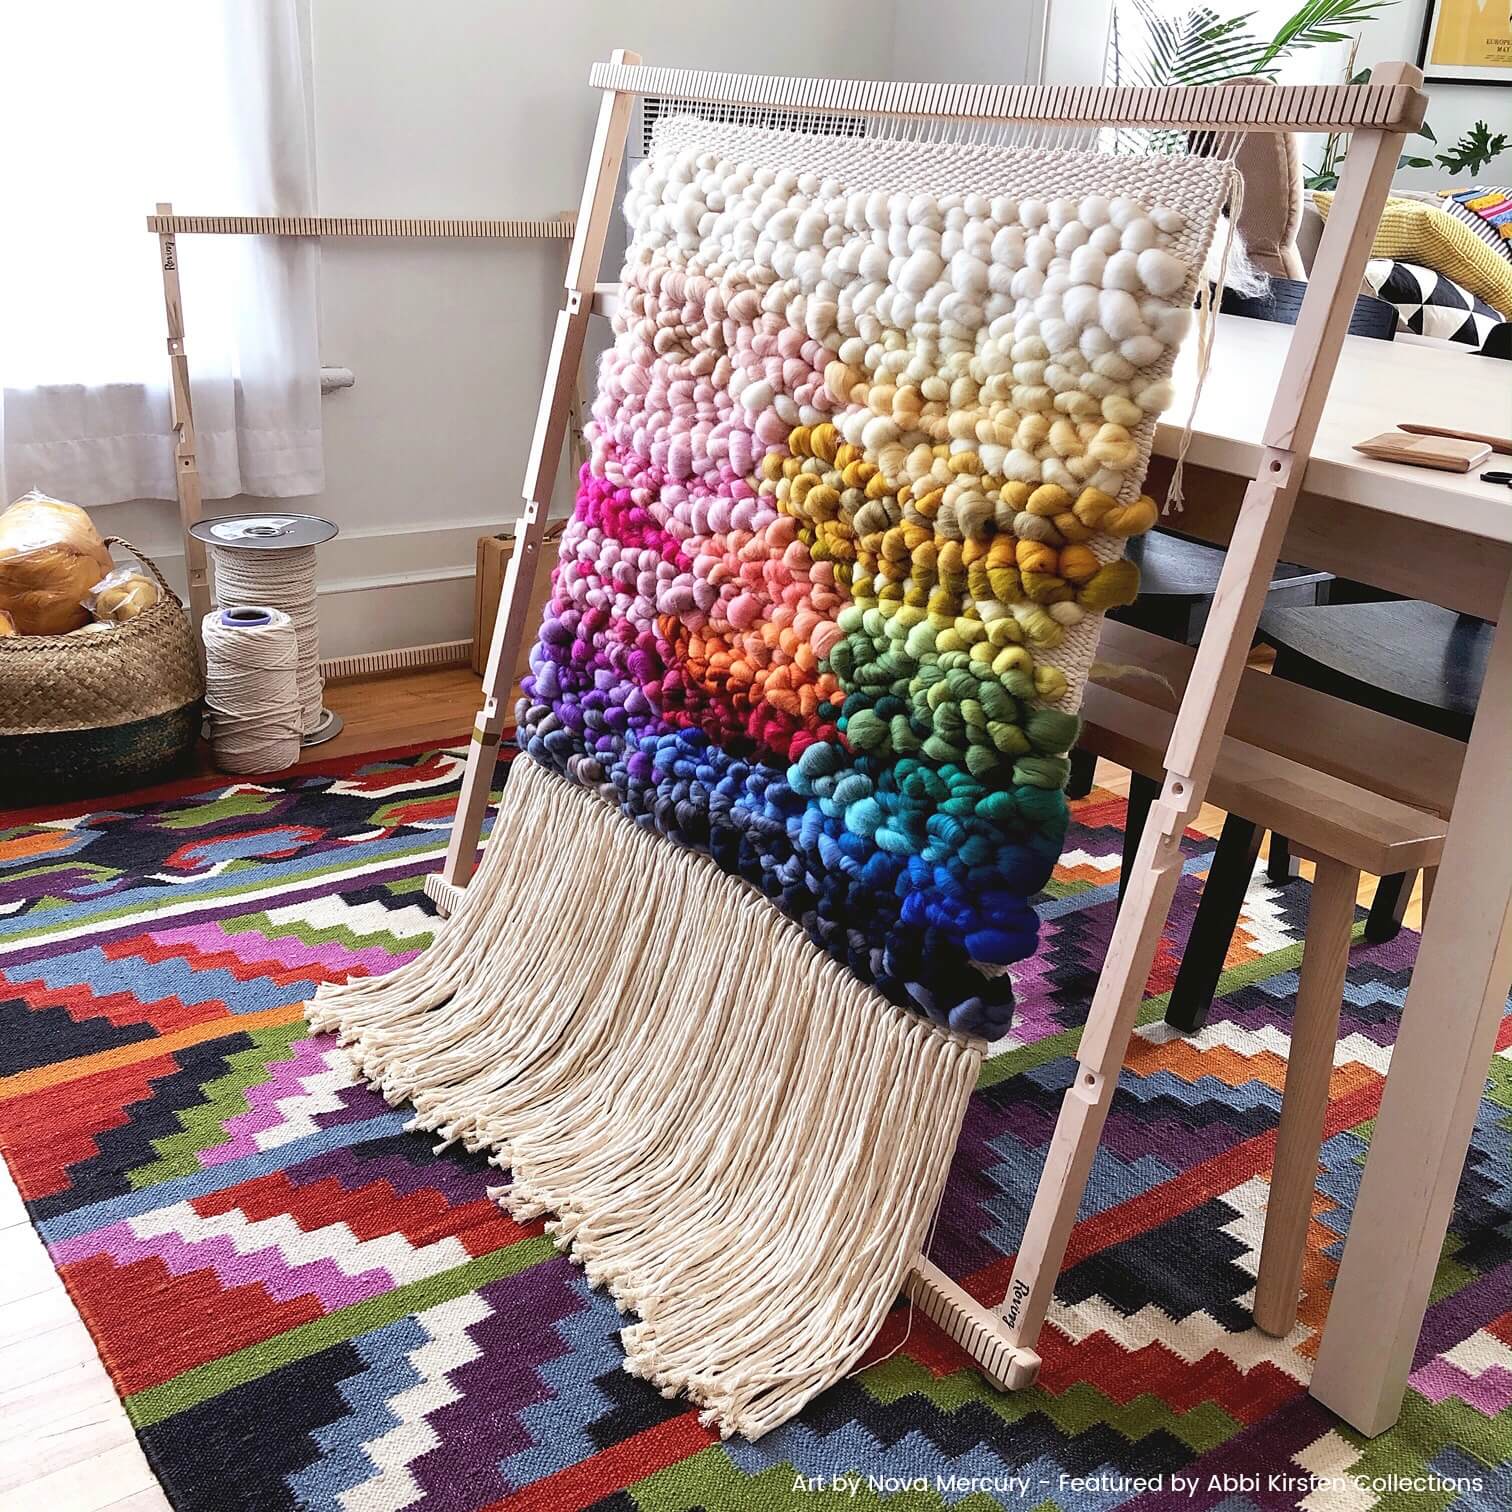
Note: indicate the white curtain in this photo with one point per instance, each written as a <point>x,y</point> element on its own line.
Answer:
<point>112,106</point>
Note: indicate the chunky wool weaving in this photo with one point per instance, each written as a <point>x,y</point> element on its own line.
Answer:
<point>865,455</point>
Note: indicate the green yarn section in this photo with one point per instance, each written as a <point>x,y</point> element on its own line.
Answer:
<point>203,1125</point>
<point>955,694</point>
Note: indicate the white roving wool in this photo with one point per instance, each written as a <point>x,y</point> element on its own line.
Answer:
<point>251,688</point>
<point>283,580</point>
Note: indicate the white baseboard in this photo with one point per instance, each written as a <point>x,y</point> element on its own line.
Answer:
<point>381,588</point>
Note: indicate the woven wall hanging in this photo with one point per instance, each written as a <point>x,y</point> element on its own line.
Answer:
<point>865,455</point>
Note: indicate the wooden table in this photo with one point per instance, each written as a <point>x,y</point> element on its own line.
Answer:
<point>1432,535</point>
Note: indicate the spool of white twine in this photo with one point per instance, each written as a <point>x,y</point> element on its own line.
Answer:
<point>282,580</point>
<point>252,688</point>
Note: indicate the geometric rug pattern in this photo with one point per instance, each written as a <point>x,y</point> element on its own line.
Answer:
<point>304,1306</point>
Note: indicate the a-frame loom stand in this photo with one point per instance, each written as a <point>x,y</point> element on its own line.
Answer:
<point>1379,116</point>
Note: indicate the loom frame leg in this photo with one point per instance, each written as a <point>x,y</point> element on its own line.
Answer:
<point>978,1329</point>
<point>553,425</point>
<point>1253,551</point>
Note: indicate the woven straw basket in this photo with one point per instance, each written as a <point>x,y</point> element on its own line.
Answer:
<point>98,713</point>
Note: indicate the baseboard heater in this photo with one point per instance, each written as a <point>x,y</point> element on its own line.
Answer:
<point>401,659</point>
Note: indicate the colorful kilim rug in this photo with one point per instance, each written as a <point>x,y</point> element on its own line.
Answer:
<point>304,1306</point>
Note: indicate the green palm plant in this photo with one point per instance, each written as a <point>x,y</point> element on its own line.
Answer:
<point>1196,45</point>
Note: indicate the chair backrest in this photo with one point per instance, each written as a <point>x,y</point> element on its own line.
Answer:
<point>1270,163</point>
<point>1282,302</point>
<point>1372,750</point>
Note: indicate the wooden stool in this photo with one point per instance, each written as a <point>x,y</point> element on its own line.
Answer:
<point>1344,825</point>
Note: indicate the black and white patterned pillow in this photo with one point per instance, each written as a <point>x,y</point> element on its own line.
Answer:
<point>1430,304</point>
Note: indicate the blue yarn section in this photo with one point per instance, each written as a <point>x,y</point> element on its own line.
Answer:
<point>890,867</point>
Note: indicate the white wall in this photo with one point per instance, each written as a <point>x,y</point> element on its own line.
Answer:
<point>471,108</point>
<point>476,108</point>
<point>1076,37</point>
<point>966,41</point>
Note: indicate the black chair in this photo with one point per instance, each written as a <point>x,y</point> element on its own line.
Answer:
<point>1416,661</point>
<point>1177,579</point>
<point>1282,303</point>
<point>1412,660</point>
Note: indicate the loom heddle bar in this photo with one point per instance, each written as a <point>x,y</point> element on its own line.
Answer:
<point>559,228</point>
<point>1285,107</point>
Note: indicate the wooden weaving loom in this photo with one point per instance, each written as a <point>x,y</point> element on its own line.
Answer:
<point>1378,116</point>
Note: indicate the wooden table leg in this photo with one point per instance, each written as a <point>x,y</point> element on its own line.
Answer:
<point>1438,1073</point>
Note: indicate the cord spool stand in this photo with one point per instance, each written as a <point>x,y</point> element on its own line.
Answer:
<point>269,560</point>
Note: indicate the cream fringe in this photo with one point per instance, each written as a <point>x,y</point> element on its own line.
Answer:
<point>739,1139</point>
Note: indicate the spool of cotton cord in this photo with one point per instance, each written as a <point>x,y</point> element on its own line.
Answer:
<point>252,688</point>
<point>282,580</point>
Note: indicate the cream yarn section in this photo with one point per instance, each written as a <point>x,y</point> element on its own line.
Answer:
<point>282,580</point>
<point>739,1139</point>
<point>1057,282</point>
<point>251,688</point>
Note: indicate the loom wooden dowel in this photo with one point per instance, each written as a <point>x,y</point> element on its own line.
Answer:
<point>413,227</point>
<point>1304,1102</point>
<point>1378,105</point>
<point>186,478</point>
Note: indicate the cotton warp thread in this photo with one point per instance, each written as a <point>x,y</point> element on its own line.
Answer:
<point>282,580</point>
<point>252,691</point>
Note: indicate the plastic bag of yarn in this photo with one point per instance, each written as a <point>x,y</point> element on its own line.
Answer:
<point>50,557</point>
<point>122,594</point>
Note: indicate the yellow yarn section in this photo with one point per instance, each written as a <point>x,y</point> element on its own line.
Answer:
<point>992,565</point>
<point>1411,231</point>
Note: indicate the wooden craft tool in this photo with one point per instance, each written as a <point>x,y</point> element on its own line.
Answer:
<point>1501,444</point>
<point>1447,453</point>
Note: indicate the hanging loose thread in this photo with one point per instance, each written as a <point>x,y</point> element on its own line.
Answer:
<point>282,580</point>
<point>1209,299</point>
<point>251,688</point>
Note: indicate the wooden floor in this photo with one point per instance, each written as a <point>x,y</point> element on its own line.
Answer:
<point>65,1442</point>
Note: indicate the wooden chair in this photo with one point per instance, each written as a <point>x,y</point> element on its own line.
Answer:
<point>1177,580</point>
<point>1326,773</point>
